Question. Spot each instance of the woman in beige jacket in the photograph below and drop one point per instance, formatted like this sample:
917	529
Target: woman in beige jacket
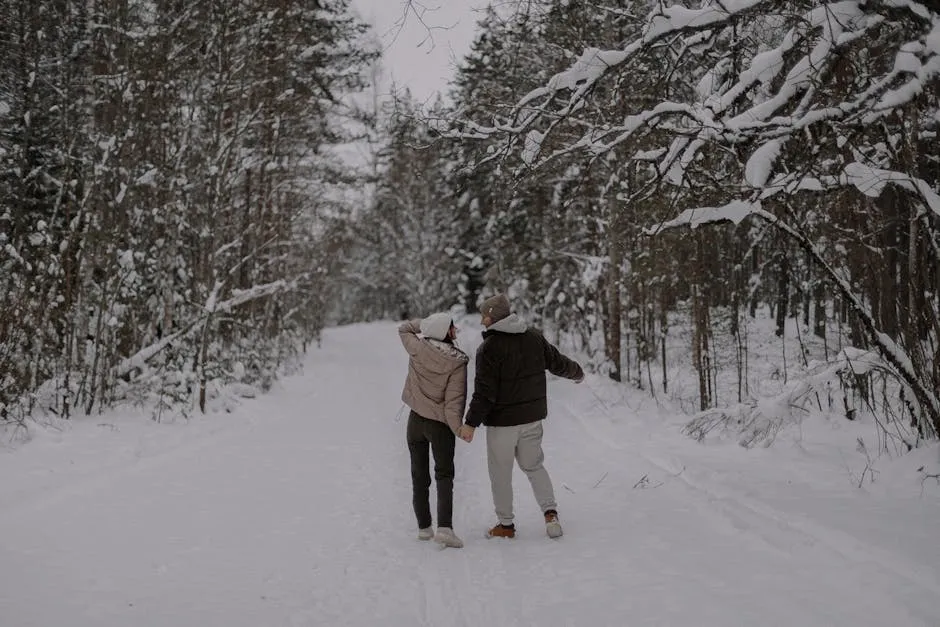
436	392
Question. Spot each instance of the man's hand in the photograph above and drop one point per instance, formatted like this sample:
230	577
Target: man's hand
465	433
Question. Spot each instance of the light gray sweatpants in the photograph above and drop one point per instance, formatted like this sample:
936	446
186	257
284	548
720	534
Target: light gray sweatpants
522	443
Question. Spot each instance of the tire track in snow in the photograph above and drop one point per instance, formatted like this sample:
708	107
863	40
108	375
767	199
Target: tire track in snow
791	532
811	533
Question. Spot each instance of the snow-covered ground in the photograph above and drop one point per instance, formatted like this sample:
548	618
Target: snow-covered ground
295	510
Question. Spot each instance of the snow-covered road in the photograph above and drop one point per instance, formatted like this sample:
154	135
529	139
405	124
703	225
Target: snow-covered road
295	510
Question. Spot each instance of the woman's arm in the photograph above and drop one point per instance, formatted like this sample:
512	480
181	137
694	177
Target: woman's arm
455	398
408	333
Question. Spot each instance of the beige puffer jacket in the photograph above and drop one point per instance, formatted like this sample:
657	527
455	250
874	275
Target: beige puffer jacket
436	386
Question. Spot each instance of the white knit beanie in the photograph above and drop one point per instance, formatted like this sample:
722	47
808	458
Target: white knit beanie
436	326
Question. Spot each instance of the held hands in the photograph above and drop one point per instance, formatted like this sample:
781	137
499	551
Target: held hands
465	433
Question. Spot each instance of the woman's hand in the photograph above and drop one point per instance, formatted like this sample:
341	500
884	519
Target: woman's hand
465	433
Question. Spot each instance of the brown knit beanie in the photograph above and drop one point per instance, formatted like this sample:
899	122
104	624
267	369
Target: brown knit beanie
495	307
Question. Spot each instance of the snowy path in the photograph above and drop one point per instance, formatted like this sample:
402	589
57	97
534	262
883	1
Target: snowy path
295	511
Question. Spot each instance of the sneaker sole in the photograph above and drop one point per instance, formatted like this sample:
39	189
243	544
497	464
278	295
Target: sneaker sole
449	544
490	536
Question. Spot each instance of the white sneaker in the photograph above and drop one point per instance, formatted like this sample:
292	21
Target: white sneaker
425	534
552	526
446	537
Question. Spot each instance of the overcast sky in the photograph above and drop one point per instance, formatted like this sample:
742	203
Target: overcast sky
422	56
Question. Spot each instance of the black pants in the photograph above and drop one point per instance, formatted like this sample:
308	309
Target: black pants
423	434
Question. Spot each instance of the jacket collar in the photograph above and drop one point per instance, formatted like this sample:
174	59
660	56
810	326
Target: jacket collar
512	325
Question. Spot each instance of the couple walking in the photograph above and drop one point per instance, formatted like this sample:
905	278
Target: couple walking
509	398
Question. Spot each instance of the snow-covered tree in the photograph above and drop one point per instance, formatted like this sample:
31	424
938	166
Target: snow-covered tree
404	257
813	119
165	171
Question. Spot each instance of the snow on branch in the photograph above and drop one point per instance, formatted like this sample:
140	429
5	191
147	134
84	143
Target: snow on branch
782	86
760	420
594	63
239	297
675	18
760	166
139	359
872	181
735	211
894	353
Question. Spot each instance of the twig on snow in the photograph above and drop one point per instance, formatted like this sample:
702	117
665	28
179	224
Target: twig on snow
644	483
927	476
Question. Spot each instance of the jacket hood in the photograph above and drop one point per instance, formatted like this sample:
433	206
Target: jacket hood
510	324
443	357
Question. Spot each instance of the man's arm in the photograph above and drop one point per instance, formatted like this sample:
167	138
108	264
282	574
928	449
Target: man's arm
485	389
560	365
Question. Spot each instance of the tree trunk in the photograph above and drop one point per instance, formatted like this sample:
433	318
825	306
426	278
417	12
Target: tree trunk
925	393
886	284
736	334
819	314
614	283
663	334
700	346
783	292
755	274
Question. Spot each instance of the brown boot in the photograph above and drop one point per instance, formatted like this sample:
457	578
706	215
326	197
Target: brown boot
502	531
552	526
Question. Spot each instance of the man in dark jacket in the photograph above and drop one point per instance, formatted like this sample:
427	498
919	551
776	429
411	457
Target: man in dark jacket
509	397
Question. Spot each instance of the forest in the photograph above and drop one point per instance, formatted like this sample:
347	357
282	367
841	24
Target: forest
648	181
